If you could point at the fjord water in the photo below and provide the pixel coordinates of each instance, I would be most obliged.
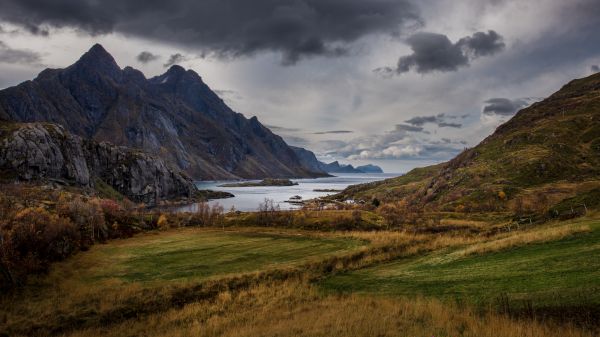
(248, 198)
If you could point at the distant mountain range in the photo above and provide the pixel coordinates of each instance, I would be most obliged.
(175, 116)
(310, 162)
(546, 156)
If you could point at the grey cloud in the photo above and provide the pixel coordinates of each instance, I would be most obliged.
(449, 125)
(503, 106)
(282, 128)
(36, 29)
(438, 119)
(408, 128)
(18, 56)
(146, 57)
(595, 68)
(332, 132)
(435, 52)
(295, 29)
(399, 143)
(421, 120)
(482, 44)
(174, 59)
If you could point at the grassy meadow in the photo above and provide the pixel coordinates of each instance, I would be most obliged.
(200, 254)
(553, 275)
(470, 278)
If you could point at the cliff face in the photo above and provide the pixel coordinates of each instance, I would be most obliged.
(175, 116)
(308, 159)
(37, 151)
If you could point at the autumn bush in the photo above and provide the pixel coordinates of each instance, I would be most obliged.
(38, 227)
(31, 240)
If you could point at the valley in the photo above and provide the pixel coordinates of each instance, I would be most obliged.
(134, 206)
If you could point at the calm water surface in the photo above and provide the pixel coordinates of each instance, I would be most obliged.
(248, 198)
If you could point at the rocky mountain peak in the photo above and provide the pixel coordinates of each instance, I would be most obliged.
(174, 115)
(98, 60)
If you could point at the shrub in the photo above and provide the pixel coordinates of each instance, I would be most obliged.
(88, 216)
(33, 239)
(162, 222)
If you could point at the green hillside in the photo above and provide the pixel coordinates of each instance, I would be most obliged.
(545, 154)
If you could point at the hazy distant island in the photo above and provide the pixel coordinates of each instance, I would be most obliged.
(264, 182)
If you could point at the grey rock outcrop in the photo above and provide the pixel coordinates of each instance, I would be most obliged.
(42, 151)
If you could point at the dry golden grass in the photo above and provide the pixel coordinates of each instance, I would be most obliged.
(516, 239)
(297, 309)
(279, 302)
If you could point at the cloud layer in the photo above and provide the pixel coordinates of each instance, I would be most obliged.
(296, 29)
(17, 56)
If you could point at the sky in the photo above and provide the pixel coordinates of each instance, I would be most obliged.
(397, 83)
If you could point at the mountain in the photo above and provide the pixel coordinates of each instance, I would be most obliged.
(336, 167)
(546, 155)
(308, 159)
(175, 116)
(44, 151)
(310, 162)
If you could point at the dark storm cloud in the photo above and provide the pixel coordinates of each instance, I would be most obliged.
(294, 28)
(595, 68)
(503, 106)
(146, 57)
(332, 132)
(174, 59)
(435, 52)
(17, 56)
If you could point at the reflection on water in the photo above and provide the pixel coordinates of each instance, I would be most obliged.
(248, 198)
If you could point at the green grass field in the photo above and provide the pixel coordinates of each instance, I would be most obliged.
(192, 254)
(551, 274)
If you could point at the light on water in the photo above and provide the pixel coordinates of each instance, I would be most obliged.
(248, 198)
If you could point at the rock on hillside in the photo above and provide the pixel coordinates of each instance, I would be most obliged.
(175, 116)
(37, 151)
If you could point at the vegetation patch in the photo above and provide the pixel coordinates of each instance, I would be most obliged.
(545, 278)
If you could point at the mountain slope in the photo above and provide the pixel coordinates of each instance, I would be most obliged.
(44, 151)
(547, 152)
(175, 115)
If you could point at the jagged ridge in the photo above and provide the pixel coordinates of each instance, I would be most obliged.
(175, 115)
